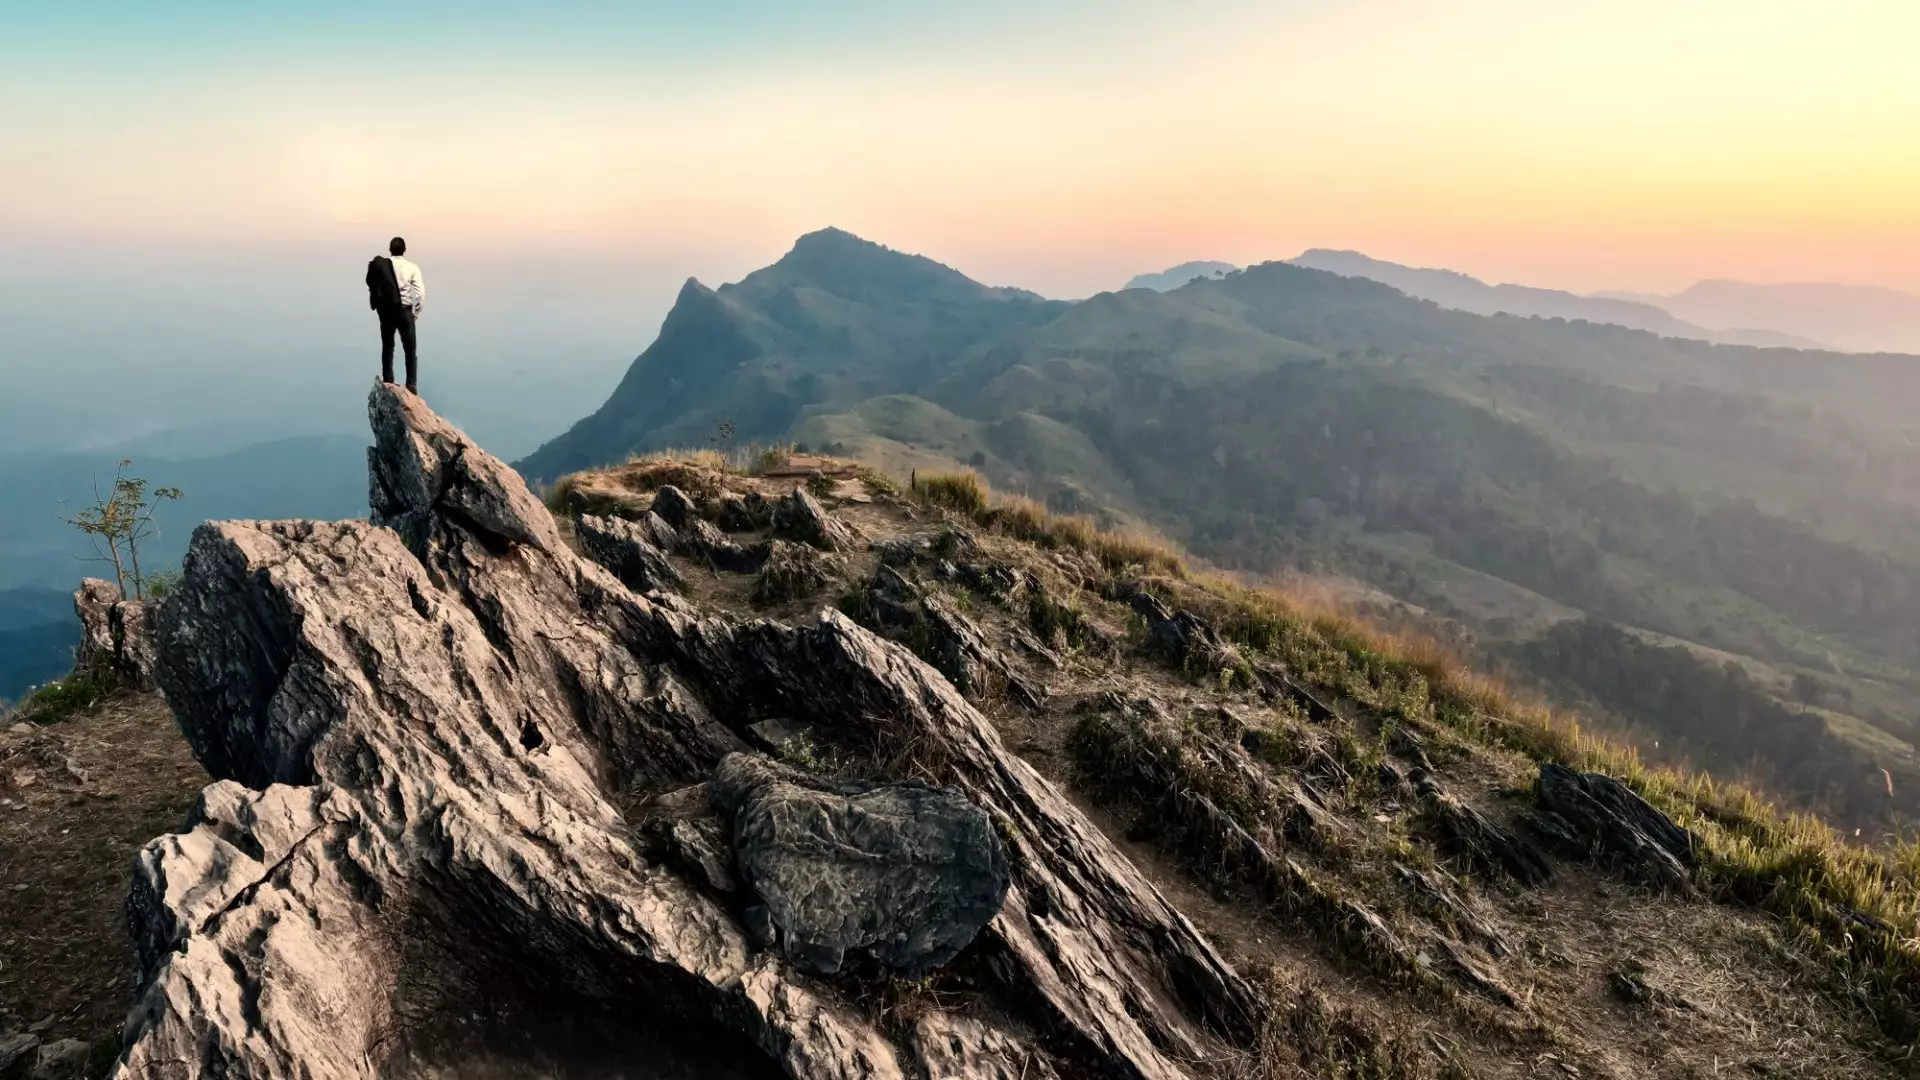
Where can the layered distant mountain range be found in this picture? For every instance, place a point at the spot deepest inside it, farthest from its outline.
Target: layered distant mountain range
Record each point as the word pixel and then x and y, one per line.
pixel 1851 318
pixel 1716 543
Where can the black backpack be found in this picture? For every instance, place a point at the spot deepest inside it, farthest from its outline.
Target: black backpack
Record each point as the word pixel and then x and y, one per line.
pixel 383 286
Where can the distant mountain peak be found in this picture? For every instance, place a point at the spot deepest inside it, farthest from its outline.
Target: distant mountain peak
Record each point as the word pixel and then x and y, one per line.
pixel 836 261
pixel 834 239
pixel 1183 274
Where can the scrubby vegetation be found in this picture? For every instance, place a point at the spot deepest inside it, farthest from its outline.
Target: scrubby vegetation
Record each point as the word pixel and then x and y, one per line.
pixel 54 701
pixel 1855 905
pixel 1023 519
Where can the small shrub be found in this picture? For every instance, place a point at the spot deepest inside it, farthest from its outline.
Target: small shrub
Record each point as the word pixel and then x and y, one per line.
pixel 62 698
pixel 163 583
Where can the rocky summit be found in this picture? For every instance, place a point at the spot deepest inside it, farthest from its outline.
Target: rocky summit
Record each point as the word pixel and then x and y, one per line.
pixel 754 772
pixel 431 732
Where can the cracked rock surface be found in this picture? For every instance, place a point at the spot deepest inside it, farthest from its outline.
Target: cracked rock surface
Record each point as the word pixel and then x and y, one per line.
pixel 427 730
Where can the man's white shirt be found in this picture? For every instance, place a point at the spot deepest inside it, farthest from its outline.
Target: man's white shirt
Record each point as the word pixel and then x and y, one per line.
pixel 413 290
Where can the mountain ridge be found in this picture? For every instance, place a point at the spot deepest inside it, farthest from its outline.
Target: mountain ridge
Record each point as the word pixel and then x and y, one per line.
pixel 1286 418
pixel 1451 288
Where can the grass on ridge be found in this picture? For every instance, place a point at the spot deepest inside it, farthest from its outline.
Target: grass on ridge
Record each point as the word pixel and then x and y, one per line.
pixel 1858 905
pixel 967 494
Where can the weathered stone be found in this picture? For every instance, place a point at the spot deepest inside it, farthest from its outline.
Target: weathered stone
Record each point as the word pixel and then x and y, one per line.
pixel 625 548
pixel 1189 642
pixel 18 1054
pixel 65 1059
pixel 790 572
pixel 1468 833
pixel 907 873
pixel 1149 607
pixel 1607 817
pixel 958 648
pixel 743 513
pixel 954 1047
pixel 674 507
pixel 438 723
pixel 799 517
pixel 1444 899
pixel 700 540
pixel 682 830
pixel 114 638
pixel 94 602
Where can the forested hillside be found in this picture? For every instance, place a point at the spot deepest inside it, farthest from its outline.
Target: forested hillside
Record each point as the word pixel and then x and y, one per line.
pixel 1504 475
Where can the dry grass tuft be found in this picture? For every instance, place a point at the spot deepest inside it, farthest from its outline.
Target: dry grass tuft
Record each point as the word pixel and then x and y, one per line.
pixel 1021 518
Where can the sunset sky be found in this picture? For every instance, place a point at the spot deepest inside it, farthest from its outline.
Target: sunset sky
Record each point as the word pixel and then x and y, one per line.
pixel 1056 144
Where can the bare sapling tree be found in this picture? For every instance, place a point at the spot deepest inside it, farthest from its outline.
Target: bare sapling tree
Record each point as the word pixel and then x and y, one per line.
pixel 119 522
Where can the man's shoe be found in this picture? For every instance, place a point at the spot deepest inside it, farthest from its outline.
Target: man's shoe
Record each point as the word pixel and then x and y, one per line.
pixel 412 389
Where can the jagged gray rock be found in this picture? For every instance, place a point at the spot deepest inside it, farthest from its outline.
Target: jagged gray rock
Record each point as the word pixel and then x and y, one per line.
pixel 63 1059
pixel 674 507
pixel 626 549
pixel 1491 848
pixel 425 729
pixel 18 1052
pixel 799 517
pixel 743 513
pixel 1185 640
pixel 790 572
pixel 907 873
pixel 114 635
pixel 1600 814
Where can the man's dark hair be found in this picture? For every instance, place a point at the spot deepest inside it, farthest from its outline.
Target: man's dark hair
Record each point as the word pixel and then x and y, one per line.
pixel 396 246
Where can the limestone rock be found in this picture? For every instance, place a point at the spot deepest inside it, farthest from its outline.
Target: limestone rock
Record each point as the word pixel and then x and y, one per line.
pixel 907 873
pixel 625 548
pixel 94 602
pixel 427 731
pixel 114 637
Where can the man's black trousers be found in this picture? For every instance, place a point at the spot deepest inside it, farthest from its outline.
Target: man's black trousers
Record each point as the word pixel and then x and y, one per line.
pixel 398 318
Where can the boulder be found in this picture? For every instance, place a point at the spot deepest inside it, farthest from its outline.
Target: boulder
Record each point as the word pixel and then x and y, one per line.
pixel 1603 816
pixel 905 873
pixel 799 517
pixel 790 572
pixel 628 551
pixel 743 513
pixel 674 507
pixel 432 733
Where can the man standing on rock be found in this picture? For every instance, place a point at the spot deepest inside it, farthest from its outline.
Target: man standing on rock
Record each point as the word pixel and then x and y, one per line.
pixel 396 292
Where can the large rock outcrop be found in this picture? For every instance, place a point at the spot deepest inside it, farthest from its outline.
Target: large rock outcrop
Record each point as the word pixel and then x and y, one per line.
pixel 436 734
